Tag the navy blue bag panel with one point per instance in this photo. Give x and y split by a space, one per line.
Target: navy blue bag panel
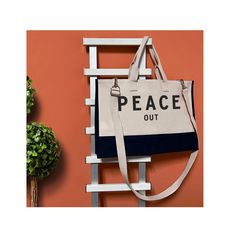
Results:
144 144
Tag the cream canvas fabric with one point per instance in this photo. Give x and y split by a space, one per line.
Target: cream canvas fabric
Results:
156 107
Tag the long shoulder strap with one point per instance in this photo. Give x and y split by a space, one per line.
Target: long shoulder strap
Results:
120 145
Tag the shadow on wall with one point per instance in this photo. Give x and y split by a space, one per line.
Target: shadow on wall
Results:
53 182
33 116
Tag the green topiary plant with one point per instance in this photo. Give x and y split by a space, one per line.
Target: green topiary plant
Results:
29 95
42 155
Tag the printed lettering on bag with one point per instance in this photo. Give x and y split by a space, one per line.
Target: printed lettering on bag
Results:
162 103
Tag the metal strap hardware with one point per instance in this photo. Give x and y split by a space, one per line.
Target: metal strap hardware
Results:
115 89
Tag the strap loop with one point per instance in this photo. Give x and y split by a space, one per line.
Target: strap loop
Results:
115 89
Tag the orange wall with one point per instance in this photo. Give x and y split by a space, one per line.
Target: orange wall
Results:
55 62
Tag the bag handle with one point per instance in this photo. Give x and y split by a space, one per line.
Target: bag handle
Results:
122 159
135 64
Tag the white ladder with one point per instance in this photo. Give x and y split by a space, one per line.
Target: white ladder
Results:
92 72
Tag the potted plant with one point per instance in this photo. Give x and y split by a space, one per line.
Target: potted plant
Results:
42 155
42 149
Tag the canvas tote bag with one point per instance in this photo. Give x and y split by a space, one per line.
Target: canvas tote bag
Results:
145 117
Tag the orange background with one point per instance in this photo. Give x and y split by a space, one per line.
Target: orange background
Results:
55 62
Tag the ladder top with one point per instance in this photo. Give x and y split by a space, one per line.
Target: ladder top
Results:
114 41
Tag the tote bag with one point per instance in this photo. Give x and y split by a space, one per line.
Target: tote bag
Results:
144 117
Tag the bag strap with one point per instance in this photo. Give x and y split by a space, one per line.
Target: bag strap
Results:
120 145
135 64
158 66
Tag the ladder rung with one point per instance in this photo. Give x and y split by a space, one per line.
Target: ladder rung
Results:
90 101
116 187
94 160
114 41
114 72
90 130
